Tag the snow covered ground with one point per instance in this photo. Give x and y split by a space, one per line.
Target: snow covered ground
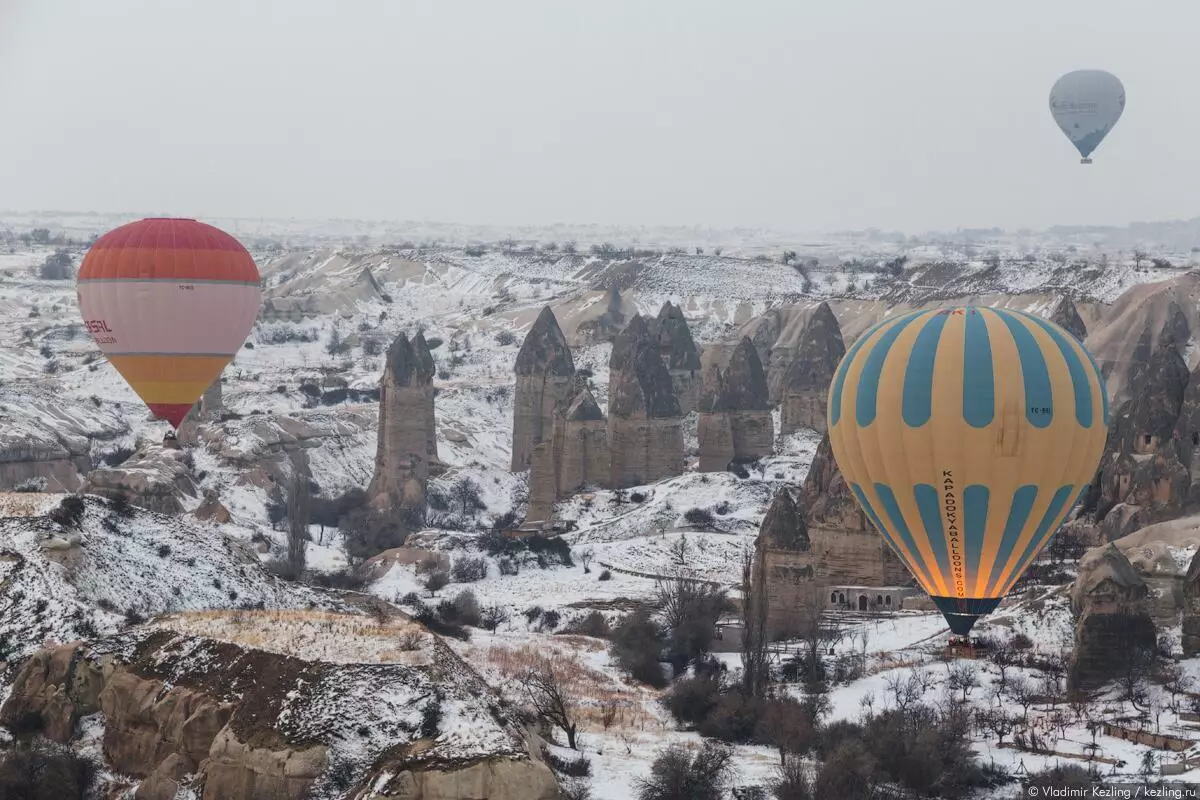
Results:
149 564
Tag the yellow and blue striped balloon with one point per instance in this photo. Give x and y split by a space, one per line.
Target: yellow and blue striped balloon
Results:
967 434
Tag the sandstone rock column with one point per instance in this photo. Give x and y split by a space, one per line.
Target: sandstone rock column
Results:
545 377
678 351
785 552
735 414
421 347
645 433
806 390
402 457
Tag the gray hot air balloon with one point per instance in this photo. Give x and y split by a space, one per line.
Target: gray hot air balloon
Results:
1086 104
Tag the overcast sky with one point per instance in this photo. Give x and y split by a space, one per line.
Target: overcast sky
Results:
801 115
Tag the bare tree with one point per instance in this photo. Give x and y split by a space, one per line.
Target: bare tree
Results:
493 617
905 689
678 773
680 552
1176 682
1138 257
298 516
1023 692
755 670
551 699
961 678
998 721
609 706
585 558
1002 657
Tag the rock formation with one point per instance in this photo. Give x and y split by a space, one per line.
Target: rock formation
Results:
1065 315
157 478
784 551
575 456
1191 608
183 712
1113 625
545 379
1144 473
679 353
735 412
421 347
806 390
604 327
406 447
645 434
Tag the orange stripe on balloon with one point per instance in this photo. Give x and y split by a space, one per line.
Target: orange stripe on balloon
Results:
172 367
170 250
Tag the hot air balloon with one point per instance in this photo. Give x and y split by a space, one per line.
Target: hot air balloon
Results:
967 435
1086 104
169 302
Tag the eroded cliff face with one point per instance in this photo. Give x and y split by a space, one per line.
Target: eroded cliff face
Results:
1146 471
545 373
230 722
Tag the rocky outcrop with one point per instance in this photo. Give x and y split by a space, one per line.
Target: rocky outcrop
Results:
1144 474
545 379
1191 609
679 353
1066 315
787 564
421 348
182 712
846 548
806 390
735 421
157 478
406 445
585 459
645 434
607 325
1109 601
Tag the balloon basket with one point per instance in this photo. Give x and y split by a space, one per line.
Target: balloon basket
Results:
966 647
1085 161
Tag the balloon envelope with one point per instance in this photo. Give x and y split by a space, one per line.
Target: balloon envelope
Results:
1086 104
169 302
967 435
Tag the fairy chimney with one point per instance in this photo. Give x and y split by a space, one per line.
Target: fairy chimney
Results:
679 353
806 389
545 373
645 433
735 413
402 454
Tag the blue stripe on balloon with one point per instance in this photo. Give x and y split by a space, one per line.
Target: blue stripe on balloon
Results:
876 521
1045 529
979 382
1099 382
1079 377
930 507
975 511
1039 395
917 405
888 498
839 380
868 382
1018 514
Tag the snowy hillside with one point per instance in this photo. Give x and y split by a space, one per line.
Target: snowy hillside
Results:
305 388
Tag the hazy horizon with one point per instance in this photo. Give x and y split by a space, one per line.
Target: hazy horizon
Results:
811 117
